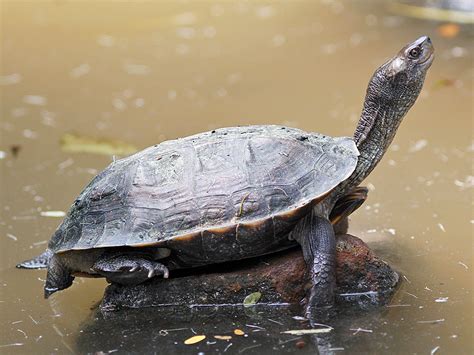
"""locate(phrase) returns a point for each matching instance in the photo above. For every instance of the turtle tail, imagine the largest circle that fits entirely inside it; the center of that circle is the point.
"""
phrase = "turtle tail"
(58, 278)
(39, 262)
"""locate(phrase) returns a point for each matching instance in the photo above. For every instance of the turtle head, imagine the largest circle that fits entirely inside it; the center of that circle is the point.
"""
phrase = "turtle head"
(396, 85)
(412, 62)
(392, 91)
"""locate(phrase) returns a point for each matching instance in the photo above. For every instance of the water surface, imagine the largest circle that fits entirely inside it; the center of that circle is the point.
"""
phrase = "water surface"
(146, 72)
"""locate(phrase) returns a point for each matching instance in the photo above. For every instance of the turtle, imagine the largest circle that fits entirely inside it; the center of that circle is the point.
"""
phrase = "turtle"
(232, 194)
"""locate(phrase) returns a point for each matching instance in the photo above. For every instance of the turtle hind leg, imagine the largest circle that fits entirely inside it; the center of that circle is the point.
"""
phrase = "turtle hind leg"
(316, 236)
(346, 205)
(58, 278)
(128, 269)
(39, 262)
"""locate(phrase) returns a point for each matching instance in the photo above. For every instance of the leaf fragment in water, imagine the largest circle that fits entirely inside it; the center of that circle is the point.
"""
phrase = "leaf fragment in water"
(238, 332)
(252, 299)
(194, 339)
(308, 331)
(81, 144)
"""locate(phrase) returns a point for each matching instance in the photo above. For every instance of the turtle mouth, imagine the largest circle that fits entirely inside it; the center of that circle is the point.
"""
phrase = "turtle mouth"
(427, 62)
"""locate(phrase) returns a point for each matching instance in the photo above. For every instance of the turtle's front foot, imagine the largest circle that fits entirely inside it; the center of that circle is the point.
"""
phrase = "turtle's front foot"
(129, 269)
(316, 237)
(321, 295)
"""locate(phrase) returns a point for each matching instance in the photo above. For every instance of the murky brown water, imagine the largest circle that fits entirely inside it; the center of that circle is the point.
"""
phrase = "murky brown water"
(147, 72)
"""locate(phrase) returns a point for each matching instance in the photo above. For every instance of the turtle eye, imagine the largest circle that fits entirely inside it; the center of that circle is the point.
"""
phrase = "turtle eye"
(414, 53)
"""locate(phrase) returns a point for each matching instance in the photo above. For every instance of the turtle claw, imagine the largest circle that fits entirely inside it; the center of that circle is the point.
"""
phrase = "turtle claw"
(133, 269)
(159, 269)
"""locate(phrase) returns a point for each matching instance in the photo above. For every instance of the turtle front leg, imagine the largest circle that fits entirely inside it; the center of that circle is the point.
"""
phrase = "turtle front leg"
(128, 269)
(315, 234)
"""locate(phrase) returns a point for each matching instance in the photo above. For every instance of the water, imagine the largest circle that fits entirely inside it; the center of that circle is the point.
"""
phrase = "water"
(143, 73)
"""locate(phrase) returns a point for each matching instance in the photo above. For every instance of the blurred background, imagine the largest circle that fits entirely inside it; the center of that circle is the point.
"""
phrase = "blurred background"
(84, 81)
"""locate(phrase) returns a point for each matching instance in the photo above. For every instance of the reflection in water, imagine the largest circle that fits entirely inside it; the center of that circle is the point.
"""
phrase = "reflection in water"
(145, 73)
(165, 329)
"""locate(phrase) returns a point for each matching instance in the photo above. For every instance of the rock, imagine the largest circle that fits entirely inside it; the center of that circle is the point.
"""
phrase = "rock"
(280, 278)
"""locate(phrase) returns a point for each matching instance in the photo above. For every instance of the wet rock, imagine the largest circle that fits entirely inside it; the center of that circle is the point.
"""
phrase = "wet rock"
(280, 278)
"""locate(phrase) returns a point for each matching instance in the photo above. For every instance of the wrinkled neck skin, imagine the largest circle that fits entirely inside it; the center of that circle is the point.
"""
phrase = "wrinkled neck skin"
(386, 103)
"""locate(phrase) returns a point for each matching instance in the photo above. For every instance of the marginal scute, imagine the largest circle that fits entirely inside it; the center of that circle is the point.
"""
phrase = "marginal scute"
(226, 183)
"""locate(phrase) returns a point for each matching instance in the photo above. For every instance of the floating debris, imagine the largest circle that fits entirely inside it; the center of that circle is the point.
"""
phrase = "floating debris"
(12, 344)
(223, 337)
(265, 12)
(209, 31)
(56, 329)
(79, 71)
(431, 321)
(136, 69)
(274, 321)
(12, 237)
(186, 18)
(119, 104)
(258, 329)
(467, 183)
(194, 339)
(2, 154)
(278, 40)
(81, 144)
(172, 94)
(186, 32)
(252, 299)
(164, 332)
(441, 227)
(458, 52)
(227, 347)
(56, 214)
(398, 305)
(358, 330)
(410, 294)
(418, 145)
(434, 350)
(463, 265)
(308, 331)
(34, 100)
(139, 102)
(248, 348)
(442, 300)
(238, 332)
(106, 41)
(28, 133)
(10, 79)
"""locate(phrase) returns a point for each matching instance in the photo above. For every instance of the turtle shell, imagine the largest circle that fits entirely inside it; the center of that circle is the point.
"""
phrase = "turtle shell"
(235, 183)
